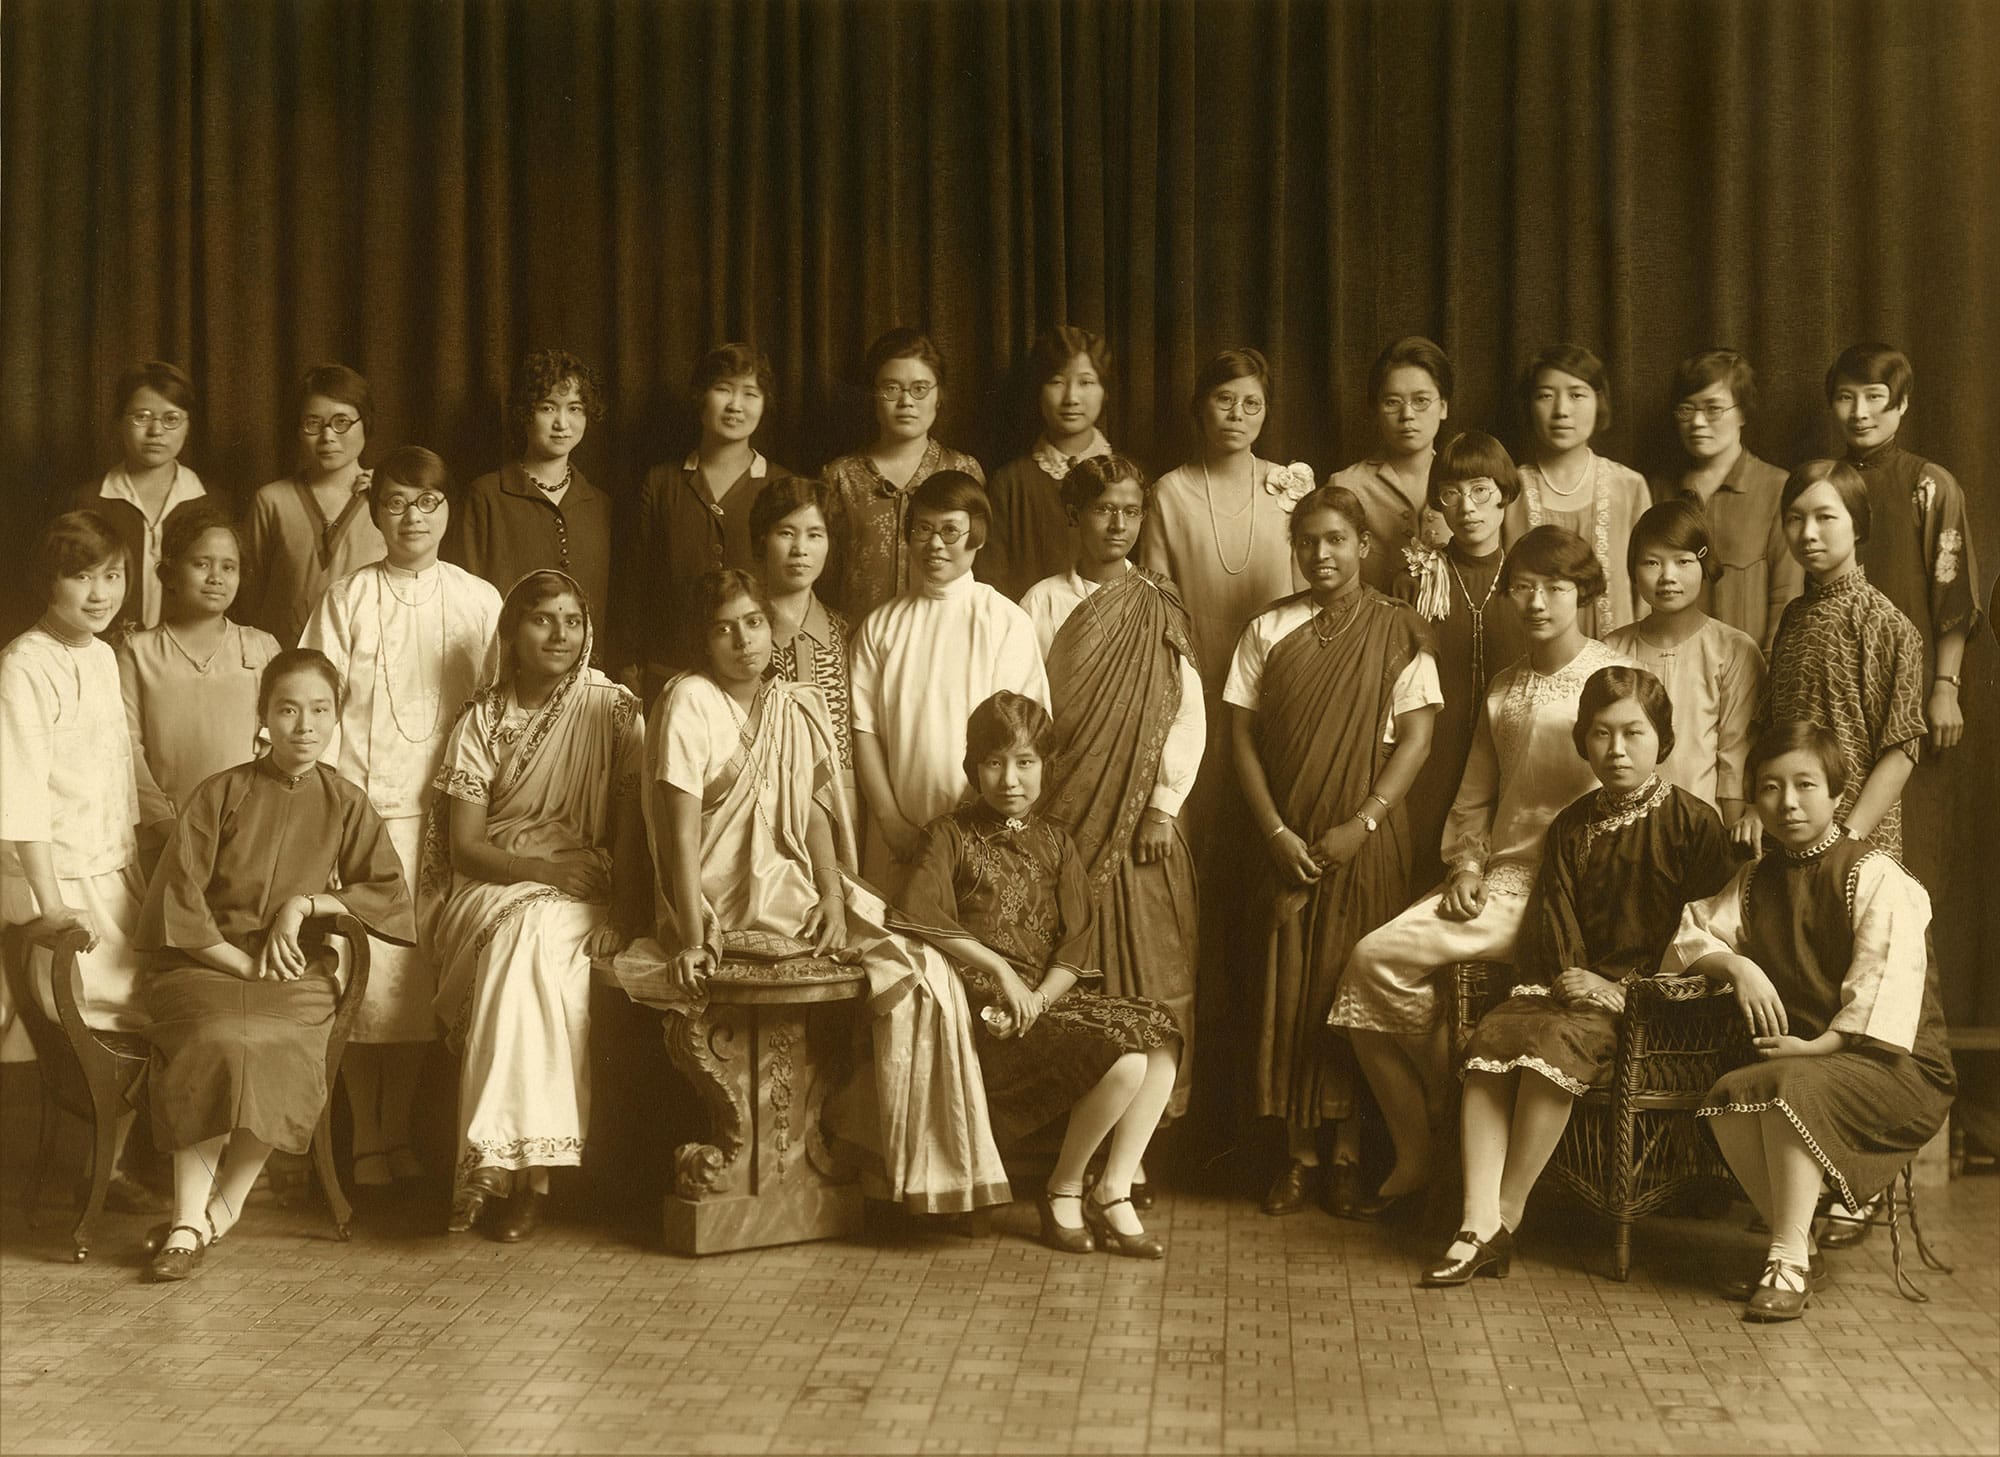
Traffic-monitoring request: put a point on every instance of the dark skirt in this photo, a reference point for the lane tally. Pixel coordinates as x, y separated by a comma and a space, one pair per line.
230, 1054
1032, 1081
1862, 1112
1570, 1044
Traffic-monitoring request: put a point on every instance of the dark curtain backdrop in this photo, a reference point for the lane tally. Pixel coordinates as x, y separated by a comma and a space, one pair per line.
425, 190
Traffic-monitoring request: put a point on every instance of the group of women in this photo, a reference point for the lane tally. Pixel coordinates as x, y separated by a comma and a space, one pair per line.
1442, 707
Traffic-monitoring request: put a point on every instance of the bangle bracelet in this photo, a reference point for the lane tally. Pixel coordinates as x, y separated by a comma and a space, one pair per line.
1380, 800
1951, 678
1282, 827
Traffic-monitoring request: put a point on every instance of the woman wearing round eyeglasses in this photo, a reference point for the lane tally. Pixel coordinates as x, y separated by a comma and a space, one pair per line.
1713, 393
1409, 388
313, 527
922, 663
1455, 589
155, 406
408, 636
906, 379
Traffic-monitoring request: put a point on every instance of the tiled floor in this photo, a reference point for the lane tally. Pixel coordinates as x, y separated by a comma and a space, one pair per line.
1255, 1335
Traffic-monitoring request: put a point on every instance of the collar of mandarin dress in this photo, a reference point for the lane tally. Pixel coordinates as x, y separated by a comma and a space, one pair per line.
1846, 584
956, 588
271, 771
1881, 455
989, 822
1834, 834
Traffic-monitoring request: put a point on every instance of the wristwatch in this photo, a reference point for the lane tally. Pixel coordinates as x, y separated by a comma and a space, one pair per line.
1368, 821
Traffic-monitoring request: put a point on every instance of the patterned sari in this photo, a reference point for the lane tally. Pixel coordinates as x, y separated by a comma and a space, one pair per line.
513, 976
1114, 679
1319, 728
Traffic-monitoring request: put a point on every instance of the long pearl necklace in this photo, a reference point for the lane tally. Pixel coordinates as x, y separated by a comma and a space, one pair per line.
1587, 476
1250, 515
433, 692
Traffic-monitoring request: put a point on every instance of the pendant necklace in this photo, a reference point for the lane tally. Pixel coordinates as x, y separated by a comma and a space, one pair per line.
1478, 613
1249, 511
1324, 639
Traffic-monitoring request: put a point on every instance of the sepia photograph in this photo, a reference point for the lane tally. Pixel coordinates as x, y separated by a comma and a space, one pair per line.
999, 726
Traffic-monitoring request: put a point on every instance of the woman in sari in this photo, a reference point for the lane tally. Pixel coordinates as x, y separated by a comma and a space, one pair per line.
1331, 693
1130, 731
750, 835
535, 829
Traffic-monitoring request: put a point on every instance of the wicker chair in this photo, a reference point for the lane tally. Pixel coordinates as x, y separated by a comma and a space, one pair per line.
93, 1074
1634, 1147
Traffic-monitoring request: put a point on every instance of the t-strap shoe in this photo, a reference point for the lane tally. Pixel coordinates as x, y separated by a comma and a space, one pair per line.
1069, 1239
1783, 1293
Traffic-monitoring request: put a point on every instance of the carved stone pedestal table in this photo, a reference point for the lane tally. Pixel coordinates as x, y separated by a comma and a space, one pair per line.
764, 1052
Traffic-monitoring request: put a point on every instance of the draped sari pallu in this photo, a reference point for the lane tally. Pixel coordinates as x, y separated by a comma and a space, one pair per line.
1114, 680
1320, 719
513, 978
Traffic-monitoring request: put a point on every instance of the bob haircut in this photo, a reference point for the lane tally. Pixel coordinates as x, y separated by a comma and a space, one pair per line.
299, 660
539, 376
1846, 482
706, 595
1614, 685
1676, 525
1092, 476
1055, 349
75, 541
902, 342
188, 523
1873, 364
780, 498
414, 469
949, 491
1228, 365
1797, 736
1417, 352
161, 378
1337, 499
528, 594
733, 361
340, 384
1570, 359
1001, 722
1553, 551
1712, 367
1472, 456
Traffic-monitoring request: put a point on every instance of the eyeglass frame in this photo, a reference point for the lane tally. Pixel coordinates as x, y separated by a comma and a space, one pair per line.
913, 532
169, 419
894, 392
313, 425
1487, 493
1684, 413
390, 506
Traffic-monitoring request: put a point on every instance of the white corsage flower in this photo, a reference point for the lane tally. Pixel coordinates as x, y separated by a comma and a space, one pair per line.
1293, 483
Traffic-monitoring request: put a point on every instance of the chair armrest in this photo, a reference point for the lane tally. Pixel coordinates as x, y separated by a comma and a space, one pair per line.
1678, 1035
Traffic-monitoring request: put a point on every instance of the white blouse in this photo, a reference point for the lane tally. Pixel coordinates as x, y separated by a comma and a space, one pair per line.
1416, 686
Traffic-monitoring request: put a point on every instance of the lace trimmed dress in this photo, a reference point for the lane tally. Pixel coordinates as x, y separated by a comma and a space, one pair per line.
1020, 887
1614, 876
1843, 932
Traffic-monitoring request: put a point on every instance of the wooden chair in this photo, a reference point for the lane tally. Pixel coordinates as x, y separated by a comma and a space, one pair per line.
93, 1074
1634, 1147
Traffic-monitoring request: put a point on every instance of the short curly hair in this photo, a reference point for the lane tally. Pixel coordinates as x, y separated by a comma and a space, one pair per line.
1554, 551
540, 375
74, 542
1092, 476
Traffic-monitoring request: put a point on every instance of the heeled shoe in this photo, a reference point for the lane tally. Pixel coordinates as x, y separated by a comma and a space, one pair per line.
1845, 1231
482, 1186
1145, 1245
1142, 1194
175, 1264
1492, 1258
521, 1218
1343, 1190
1070, 1239
156, 1237
1775, 1297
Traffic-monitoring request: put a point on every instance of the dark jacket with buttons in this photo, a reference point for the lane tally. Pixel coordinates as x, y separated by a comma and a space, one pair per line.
505, 526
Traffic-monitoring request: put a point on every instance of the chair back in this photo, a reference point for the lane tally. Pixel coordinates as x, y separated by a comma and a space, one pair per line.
55, 1039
